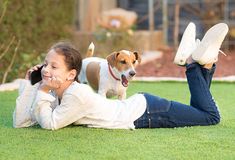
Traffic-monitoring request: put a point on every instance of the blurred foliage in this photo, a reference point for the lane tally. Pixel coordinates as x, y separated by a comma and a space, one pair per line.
37, 24
112, 39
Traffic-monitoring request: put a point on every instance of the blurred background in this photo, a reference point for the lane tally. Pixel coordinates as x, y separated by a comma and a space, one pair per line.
29, 27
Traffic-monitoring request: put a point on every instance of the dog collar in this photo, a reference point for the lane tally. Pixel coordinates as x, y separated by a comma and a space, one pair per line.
110, 71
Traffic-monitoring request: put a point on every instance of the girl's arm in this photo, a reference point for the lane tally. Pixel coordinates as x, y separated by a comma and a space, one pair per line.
70, 110
27, 93
22, 113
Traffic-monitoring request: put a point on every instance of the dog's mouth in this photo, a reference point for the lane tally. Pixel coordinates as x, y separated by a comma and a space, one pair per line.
124, 81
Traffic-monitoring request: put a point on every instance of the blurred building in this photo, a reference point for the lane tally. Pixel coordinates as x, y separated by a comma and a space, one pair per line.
161, 22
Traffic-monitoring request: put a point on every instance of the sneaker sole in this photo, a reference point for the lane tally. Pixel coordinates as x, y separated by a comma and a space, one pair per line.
181, 57
199, 54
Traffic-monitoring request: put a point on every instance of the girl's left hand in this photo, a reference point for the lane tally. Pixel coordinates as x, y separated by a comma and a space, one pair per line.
34, 68
50, 84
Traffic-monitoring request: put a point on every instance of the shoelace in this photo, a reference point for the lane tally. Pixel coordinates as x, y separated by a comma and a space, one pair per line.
216, 58
220, 51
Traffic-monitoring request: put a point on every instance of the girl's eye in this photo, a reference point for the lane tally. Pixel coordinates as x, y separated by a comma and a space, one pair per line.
54, 67
123, 62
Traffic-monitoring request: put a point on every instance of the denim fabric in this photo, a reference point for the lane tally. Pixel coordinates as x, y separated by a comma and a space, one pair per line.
161, 113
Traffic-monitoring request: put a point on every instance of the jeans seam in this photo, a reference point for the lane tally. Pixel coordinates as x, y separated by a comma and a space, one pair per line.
149, 122
148, 117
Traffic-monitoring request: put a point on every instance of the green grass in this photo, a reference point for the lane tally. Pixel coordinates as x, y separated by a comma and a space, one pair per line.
213, 142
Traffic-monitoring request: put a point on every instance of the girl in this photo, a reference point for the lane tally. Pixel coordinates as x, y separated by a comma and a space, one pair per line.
58, 100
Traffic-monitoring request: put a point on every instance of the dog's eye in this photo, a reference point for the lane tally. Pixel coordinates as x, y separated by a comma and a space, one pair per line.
123, 62
134, 61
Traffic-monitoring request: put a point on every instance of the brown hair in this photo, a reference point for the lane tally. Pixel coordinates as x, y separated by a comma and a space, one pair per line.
73, 58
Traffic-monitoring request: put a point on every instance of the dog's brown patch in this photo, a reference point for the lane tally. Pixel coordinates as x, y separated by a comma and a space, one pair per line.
123, 61
93, 74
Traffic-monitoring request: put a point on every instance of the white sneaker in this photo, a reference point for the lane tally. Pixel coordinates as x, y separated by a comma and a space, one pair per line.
187, 45
207, 51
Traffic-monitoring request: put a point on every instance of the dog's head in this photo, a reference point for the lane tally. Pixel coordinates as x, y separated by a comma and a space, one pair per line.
124, 63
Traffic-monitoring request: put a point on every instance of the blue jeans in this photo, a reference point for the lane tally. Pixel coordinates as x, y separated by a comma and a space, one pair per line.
162, 113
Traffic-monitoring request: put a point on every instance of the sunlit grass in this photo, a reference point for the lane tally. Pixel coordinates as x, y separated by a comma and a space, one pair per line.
213, 142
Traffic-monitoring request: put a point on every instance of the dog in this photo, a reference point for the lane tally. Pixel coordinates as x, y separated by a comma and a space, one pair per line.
109, 77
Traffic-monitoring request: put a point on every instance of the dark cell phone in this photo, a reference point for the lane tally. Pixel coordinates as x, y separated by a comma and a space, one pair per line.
35, 76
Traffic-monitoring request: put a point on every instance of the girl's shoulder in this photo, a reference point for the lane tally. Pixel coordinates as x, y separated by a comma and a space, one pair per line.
76, 87
81, 92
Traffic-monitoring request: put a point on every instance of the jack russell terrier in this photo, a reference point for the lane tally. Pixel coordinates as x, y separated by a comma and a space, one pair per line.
110, 76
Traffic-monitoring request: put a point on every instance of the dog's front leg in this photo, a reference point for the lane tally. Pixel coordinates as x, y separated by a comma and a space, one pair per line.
122, 96
102, 92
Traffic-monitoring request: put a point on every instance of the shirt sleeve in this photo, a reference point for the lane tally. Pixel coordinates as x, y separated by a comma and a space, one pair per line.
62, 115
22, 113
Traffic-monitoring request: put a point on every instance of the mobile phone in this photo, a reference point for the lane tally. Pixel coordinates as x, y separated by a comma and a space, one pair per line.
36, 76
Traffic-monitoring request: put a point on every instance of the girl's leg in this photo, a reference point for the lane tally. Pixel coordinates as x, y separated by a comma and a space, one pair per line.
199, 88
172, 114
208, 74
204, 110
163, 113
207, 70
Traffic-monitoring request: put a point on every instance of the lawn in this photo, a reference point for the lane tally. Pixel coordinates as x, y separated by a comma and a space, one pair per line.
213, 142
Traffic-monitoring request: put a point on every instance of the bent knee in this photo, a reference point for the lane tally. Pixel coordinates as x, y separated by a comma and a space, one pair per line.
215, 119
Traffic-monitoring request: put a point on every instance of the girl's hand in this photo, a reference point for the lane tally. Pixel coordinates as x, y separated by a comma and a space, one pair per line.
34, 68
51, 84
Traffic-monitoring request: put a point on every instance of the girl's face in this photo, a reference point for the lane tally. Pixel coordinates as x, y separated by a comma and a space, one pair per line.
55, 67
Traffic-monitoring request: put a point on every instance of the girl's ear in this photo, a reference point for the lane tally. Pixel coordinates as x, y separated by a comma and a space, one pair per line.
72, 75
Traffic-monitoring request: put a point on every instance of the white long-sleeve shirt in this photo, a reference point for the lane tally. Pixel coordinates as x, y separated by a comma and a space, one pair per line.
79, 105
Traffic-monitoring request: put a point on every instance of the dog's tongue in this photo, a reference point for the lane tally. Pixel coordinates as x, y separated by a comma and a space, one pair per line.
124, 81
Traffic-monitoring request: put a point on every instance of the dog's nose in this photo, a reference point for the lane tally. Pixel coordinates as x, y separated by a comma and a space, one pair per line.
132, 73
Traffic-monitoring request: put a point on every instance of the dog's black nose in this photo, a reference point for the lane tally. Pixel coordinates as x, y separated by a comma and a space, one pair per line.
132, 73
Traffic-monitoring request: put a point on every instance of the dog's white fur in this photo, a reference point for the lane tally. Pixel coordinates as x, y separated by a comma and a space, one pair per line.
110, 76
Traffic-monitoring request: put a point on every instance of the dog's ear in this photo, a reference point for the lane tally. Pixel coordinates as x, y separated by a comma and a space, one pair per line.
137, 56
112, 57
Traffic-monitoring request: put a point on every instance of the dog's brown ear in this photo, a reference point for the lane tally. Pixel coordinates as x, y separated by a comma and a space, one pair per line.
112, 57
137, 56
